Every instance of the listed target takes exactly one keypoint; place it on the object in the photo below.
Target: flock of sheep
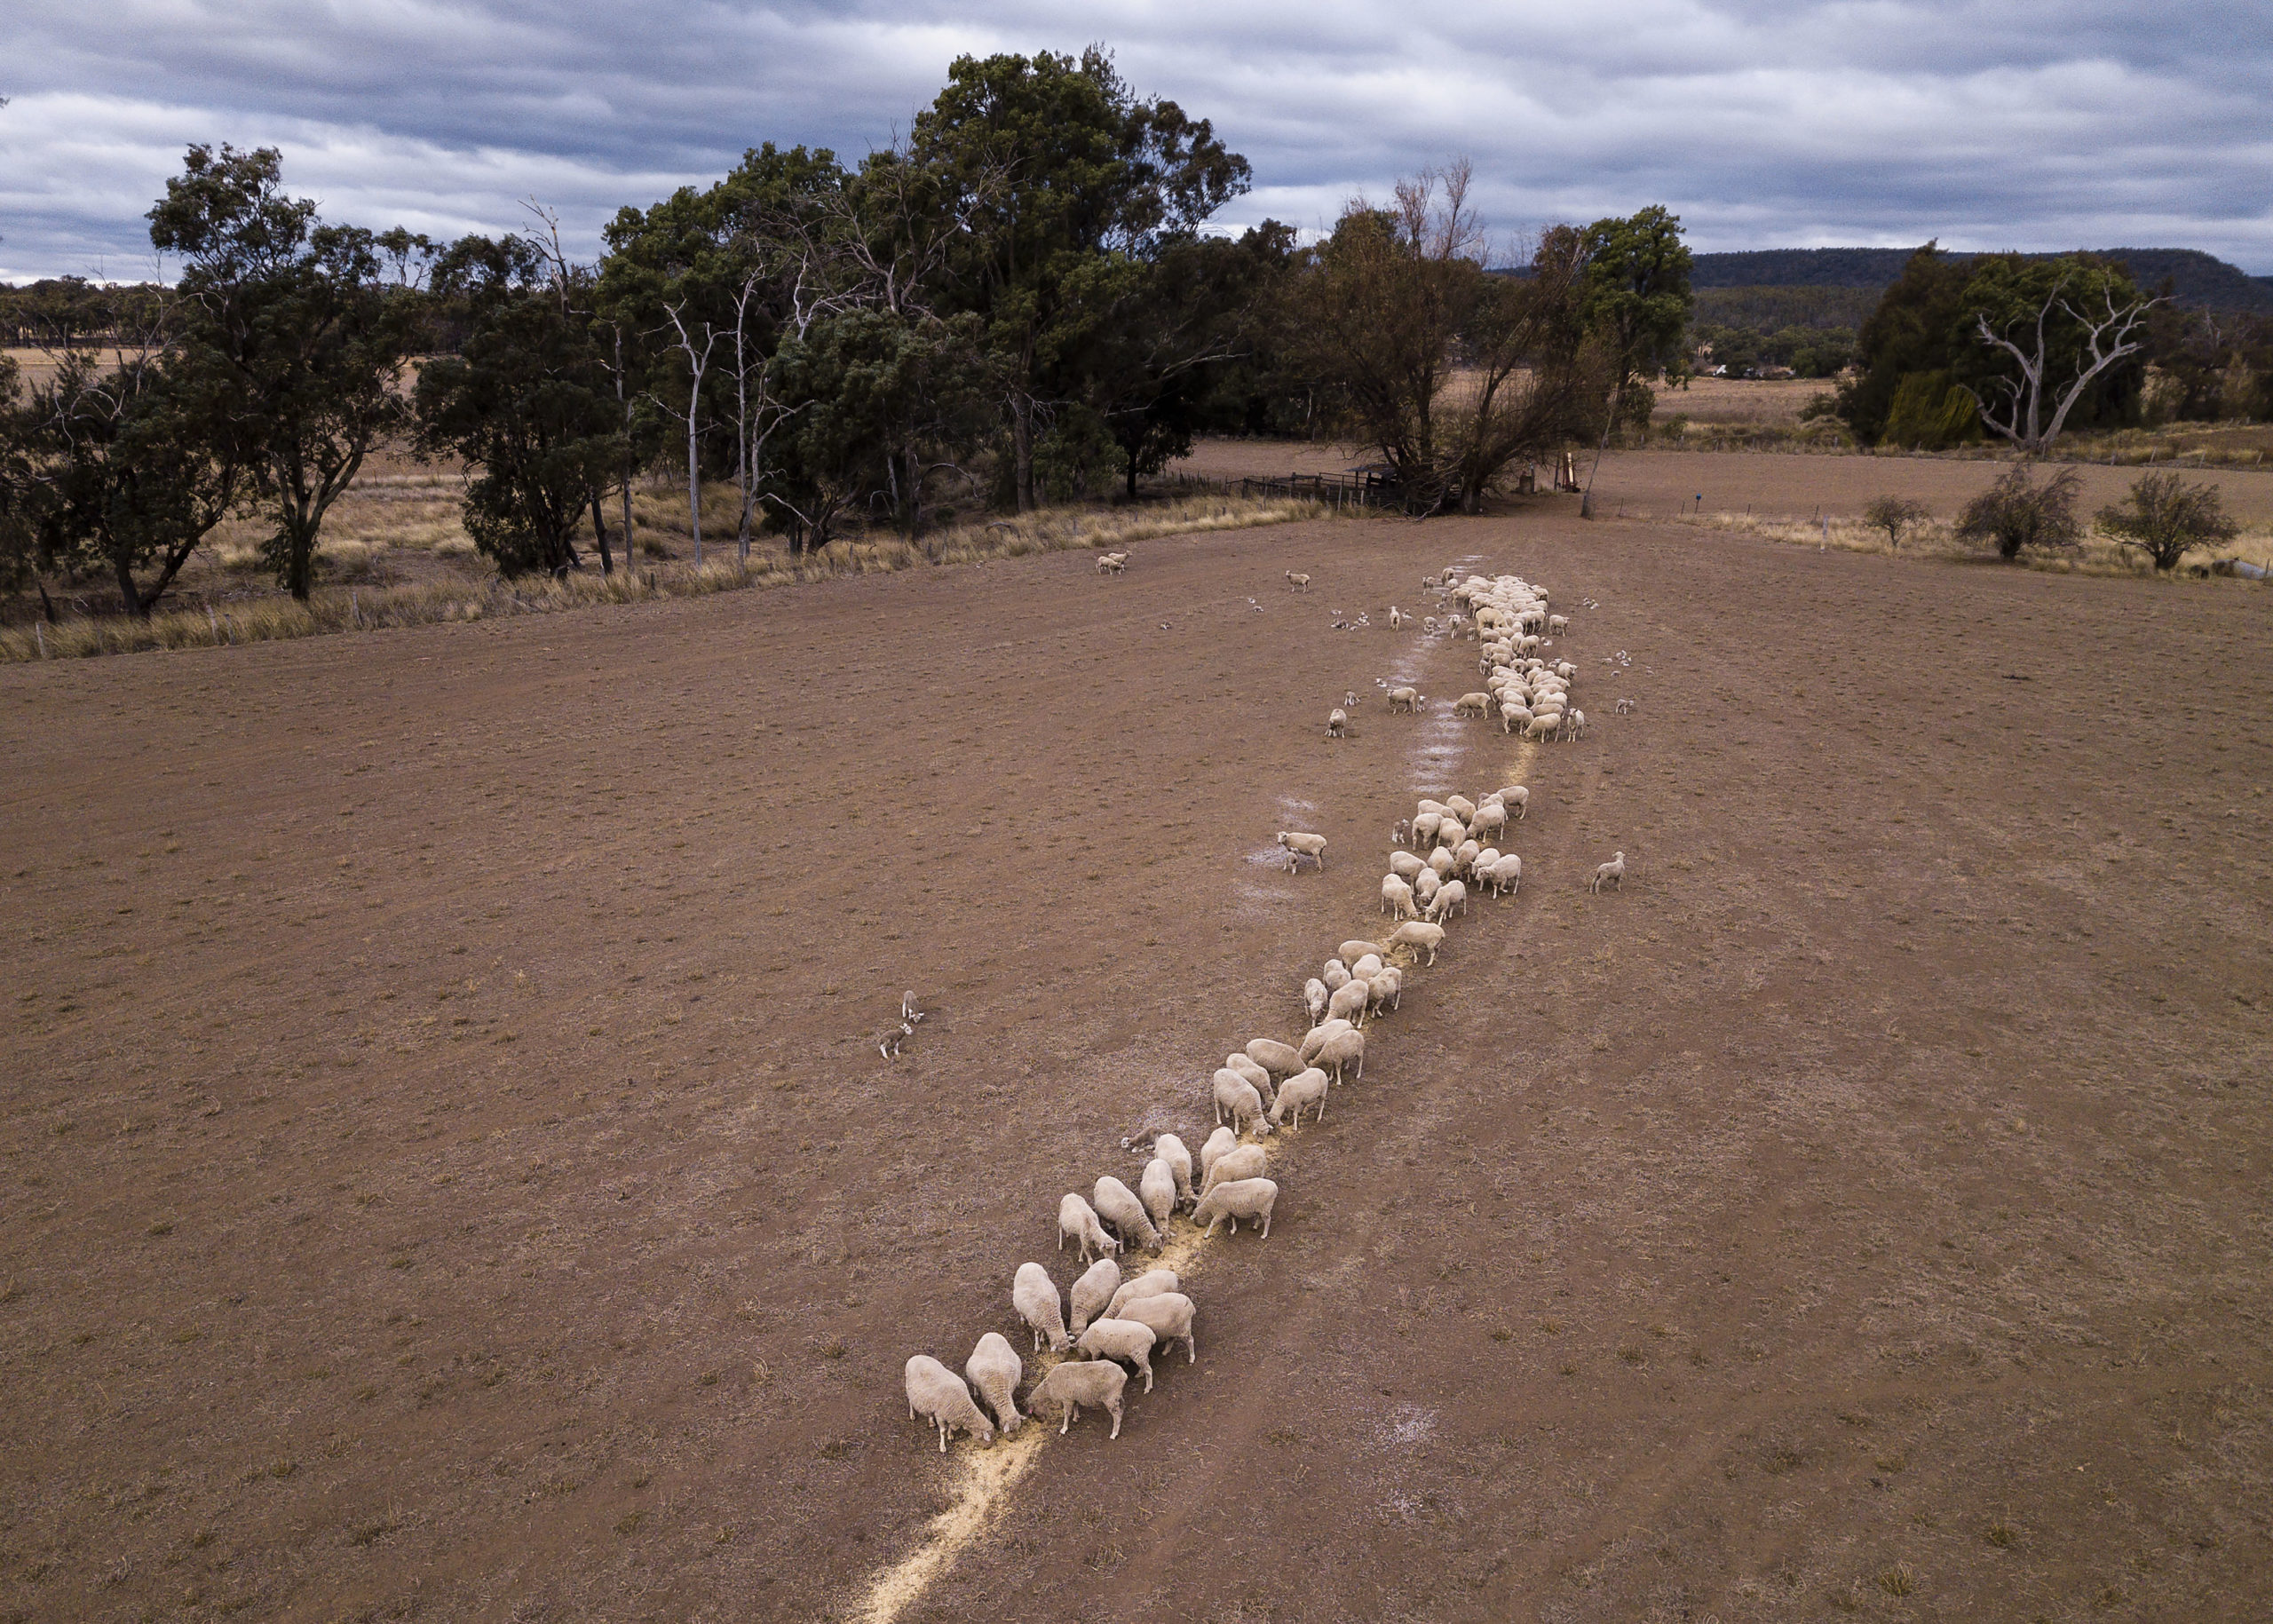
(1441, 852)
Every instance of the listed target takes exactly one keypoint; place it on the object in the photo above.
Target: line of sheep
(1268, 1085)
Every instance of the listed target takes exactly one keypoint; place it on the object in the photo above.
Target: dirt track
(447, 1175)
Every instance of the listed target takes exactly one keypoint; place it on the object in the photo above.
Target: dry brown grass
(2098, 556)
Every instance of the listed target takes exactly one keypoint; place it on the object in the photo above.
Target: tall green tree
(289, 327)
(2045, 341)
(1635, 299)
(526, 403)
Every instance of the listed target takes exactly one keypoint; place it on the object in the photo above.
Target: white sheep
(1307, 1087)
(1326, 1032)
(1077, 1220)
(1513, 718)
(1315, 994)
(1167, 1315)
(1034, 1295)
(1425, 827)
(1557, 624)
(1490, 820)
(1516, 796)
(1235, 1098)
(1403, 865)
(1541, 727)
(1408, 700)
(1149, 1284)
(1336, 974)
(1396, 617)
(1093, 1291)
(1337, 723)
(1366, 968)
(1425, 885)
(1574, 723)
(936, 1393)
(1112, 563)
(1387, 988)
(1464, 858)
(1299, 846)
(1421, 937)
(1626, 707)
(1452, 895)
(1277, 1060)
(1220, 1143)
(1506, 873)
(1170, 1149)
(994, 1369)
(1450, 833)
(1157, 1190)
(1300, 584)
(1251, 1199)
(1081, 1384)
(1460, 807)
(1440, 863)
(1338, 1051)
(1255, 1074)
(1472, 705)
(1397, 897)
(1128, 1341)
(1248, 1162)
(1612, 873)
(1351, 951)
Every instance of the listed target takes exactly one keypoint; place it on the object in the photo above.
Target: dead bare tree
(2105, 340)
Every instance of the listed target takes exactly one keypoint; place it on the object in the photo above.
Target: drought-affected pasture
(447, 1168)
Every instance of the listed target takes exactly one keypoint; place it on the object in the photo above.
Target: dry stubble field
(448, 1176)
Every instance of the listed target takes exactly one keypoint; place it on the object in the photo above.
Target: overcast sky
(2001, 123)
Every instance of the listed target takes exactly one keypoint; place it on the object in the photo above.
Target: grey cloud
(2024, 123)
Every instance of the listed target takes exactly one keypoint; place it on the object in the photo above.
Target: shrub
(1894, 515)
(1929, 412)
(2166, 517)
(2017, 512)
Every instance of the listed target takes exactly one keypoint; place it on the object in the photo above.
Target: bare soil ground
(447, 1175)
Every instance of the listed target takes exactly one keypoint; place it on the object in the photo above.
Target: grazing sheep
(1403, 865)
(1303, 1089)
(1034, 1295)
(1220, 1143)
(1093, 1291)
(1337, 724)
(1277, 1060)
(1506, 874)
(1315, 994)
(994, 1369)
(1515, 797)
(1251, 1199)
(1440, 863)
(1238, 1098)
(1388, 989)
(1612, 873)
(1300, 846)
(1626, 707)
(1336, 974)
(1557, 624)
(1425, 885)
(1450, 833)
(1167, 1315)
(1366, 968)
(1248, 1162)
(1452, 895)
(1094, 1384)
(1157, 1190)
(1149, 1284)
(936, 1393)
(1490, 820)
(1460, 807)
(1128, 1341)
(1325, 1032)
(1541, 727)
(1300, 584)
(1112, 563)
(1472, 705)
(1397, 897)
(1337, 1053)
(1408, 700)
(1421, 937)
(1170, 1149)
(1464, 858)
(1077, 1219)
(1351, 952)
(1513, 718)
(1425, 825)
(1258, 1075)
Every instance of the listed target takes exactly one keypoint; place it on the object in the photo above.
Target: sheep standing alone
(1170, 1149)
(1251, 1199)
(1034, 1295)
(1300, 584)
(1299, 846)
(994, 1368)
(1078, 1220)
(1078, 1384)
(1093, 1291)
(1407, 700)
(1337, 723)
(1117, 1204)
(938, 1393)
(1126, 1340)
(1612, 873)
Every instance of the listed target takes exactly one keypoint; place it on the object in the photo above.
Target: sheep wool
(994, 1369)
(1079, 1384)
(938, 1394)
(1093, 1291)
(1251, 1199)
(1034, 1295)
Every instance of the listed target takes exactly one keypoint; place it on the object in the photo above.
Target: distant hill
(2198, 281)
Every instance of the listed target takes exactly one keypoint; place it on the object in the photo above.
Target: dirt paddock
(448, 1173)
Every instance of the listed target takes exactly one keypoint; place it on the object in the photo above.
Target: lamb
(1557, 624)
(1337, 1053)
(1077, 1384)
(1337, 724)
(1157, 1190)
(1248, 1162)
(1170, 1149)
(1149, 1284)
(1626, 707)
(1351, 952)
(1452, 895)
(1326, 1032)
(1277, 1060)
(1421, 937)
(1300, 846)
(1397, 897)
(1078, 1219)
(1306, 1088)
(1112, 563)
(938, 1393)
(1238, 1097)
(1574, 723)
(1408, 700)
(1388, 989)
(1167, 1315)
(1472, 705)
(1093, 1290)
(1349, 1002)
(1314, 995)
(1034, 1295)
(1612, 873)
(994, 1368)
(1126, 1340)
(1403, 865)
(1251, 1199)
(1220, 1143)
